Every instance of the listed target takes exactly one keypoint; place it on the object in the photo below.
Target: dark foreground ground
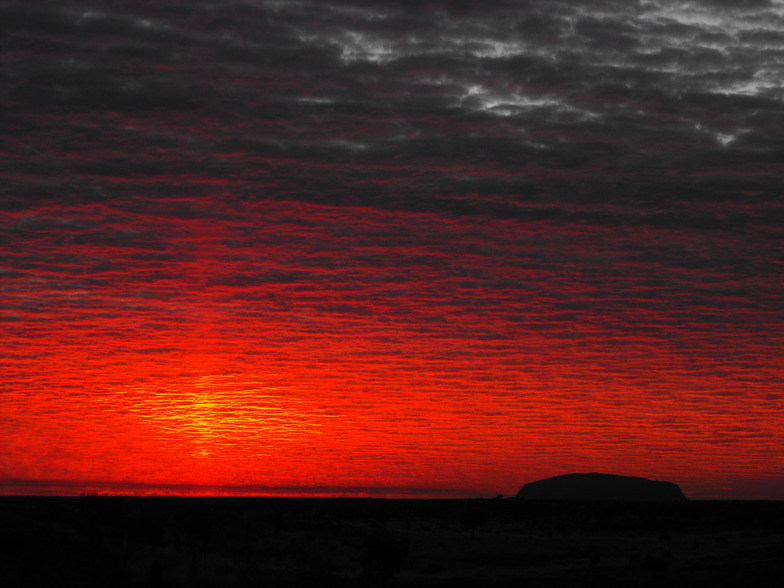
(179, 542)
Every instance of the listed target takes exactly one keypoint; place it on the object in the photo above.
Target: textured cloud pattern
(447, 246)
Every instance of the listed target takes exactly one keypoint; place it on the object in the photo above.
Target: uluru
(607, 487)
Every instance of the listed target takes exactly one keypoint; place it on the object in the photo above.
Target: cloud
(267, 233)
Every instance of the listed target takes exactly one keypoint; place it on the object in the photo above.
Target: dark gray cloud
(553, 222)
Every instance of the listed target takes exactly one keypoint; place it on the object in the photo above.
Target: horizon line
(16, 487)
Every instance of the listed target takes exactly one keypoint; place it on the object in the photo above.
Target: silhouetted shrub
(384, 555)
(472, 519)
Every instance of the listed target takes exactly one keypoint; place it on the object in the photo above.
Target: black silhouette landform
(601, 487)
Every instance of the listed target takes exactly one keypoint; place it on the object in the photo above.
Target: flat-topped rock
(601, 487)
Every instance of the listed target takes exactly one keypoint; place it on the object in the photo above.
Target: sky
(392, 248)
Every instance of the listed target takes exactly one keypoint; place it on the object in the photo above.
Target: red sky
(226, 274)
(288, 345)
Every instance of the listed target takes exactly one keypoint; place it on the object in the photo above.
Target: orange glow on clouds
(235, 370)
(286, 247)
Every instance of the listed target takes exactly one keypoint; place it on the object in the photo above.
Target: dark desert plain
(365, 542)
(290, 290)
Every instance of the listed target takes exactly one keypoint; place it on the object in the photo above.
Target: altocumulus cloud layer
(443, 245)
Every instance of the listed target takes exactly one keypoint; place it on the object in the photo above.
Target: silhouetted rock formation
(601, 487)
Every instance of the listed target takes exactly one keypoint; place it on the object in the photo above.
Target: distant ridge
(595, 486)
(141, 489)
